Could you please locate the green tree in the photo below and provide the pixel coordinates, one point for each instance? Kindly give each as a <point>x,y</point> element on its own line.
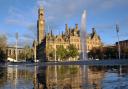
<point>110,52</point>
<point>72,51</point>
<point>21,55</point>
<point>28,52</point>
<point>50,51</point>
<point>52,54</point>
<point>103,53</point>
<point>61,52</point>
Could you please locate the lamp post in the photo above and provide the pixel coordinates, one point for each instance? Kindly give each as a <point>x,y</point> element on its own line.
<point>35,51</point>
<point>117,30</point>
<point>16,45</point>
<point>55,50</point>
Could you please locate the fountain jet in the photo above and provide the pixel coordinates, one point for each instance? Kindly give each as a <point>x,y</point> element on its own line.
<point>83,37</point>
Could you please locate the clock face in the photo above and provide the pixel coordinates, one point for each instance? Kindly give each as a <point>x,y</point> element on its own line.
<point>41,22</point>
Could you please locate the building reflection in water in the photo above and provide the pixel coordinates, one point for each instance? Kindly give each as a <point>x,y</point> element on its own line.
<point>63,77</point>
<point>74,76</point>
<point>69,77</point>
<point>17,77</point>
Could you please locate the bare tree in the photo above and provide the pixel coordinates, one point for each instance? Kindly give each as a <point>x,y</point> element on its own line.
<point>3,45</point>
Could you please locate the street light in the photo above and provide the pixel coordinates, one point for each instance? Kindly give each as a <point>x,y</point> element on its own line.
<point>16,45</point>
<point>117,30</point>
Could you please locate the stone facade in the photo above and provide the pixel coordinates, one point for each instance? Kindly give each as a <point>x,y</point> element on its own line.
<point>12,51</point>
<point>72,36</point>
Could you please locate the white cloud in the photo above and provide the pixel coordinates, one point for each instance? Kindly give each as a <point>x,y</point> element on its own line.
<point>24,19</point>
<point>59,12</point>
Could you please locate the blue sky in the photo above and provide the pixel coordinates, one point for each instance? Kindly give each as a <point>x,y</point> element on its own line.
<point>21,16</point>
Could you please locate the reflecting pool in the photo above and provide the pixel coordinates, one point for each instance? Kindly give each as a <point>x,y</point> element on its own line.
<point>63,77</point>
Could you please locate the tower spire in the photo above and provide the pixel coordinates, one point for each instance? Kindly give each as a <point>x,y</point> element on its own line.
<point>66,28</point>
<point>51,32</point>
<point>76,27</point>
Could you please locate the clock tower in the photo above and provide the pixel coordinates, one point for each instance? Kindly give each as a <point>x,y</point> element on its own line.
<point>40,26</point>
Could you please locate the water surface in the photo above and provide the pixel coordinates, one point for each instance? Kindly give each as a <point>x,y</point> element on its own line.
<point>64,77</point>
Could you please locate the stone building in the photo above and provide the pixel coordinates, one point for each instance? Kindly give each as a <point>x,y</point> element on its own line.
<point>70,36</point>
<point>123,43</point>
<point>10,51</point>
<point>123,48</point>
